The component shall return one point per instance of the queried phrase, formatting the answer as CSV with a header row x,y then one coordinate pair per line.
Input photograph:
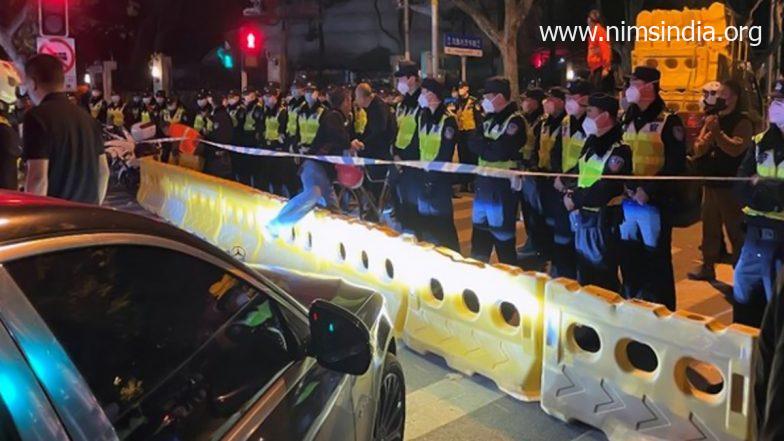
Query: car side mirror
x,y
338,339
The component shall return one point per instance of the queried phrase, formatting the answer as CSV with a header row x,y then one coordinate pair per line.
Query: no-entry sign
x,y
65,49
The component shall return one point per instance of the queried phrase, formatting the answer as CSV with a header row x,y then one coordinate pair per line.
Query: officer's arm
x,y
748,168
674,139
604,190
555,153
507,146
283,122
448,141
736,143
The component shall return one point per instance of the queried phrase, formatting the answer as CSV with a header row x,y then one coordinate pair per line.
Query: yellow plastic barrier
x,y
480,318
638,371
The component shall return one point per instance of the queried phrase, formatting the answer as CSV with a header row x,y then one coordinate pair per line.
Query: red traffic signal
x,y
251,40
53,18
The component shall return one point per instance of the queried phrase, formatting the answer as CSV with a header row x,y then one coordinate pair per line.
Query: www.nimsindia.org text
x,y
695,32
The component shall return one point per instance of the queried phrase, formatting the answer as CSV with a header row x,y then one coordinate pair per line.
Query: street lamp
x,y
88,79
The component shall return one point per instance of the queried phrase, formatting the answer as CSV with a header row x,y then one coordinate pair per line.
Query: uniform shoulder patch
x,y
616,163
678,133
449,133
512,128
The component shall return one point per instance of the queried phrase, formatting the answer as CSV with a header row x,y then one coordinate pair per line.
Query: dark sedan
x,y
115,326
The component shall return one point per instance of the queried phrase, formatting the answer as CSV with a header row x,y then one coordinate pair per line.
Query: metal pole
x,y
406,30
243,74
434,42
463,68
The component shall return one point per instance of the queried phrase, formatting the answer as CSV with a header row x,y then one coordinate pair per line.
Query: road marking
x,y
443,402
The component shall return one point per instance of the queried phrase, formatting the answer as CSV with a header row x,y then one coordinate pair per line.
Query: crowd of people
x,y
600,208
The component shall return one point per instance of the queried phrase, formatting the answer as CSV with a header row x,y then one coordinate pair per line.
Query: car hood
x,y
307,287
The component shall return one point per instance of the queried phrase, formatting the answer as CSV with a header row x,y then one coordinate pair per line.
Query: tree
x,y
505,37
9,30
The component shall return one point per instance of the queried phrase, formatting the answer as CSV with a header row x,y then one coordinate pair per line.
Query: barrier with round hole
x,y
636,370
484,319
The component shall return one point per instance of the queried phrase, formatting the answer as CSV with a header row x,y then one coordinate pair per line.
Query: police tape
x,y
444,167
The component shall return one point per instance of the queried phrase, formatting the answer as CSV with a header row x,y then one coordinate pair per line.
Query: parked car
x,y
116,326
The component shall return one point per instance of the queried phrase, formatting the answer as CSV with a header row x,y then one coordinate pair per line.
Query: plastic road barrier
x,y
480,318
638,371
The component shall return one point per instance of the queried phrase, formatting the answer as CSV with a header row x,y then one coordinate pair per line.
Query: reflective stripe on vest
x,y
291,124
530,139
360,121
116,116
233,116
406,126
546,143
145,117
4,121
95,109
272,127
647,147
766,168
174,119
494,132
465,116
592,169
571,145
430,140
249,125
308,126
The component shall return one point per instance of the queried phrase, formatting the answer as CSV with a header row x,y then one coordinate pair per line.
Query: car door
x,y
162,341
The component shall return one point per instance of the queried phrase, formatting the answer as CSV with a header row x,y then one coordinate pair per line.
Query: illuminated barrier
x,y
637,371
480,318
686,65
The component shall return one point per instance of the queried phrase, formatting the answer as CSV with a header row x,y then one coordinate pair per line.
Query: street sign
x,y
64,49
462,45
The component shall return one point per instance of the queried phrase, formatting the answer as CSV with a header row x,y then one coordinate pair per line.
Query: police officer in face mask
x,y
133,111
718,151
406,114
115,111
534,116
283,171
763,249
293,106
202,119
595,203
564,158
435,138
97,105
657,140
497,142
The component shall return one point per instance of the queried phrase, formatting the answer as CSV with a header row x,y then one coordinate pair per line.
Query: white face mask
x,y
423,101
310,99
270,101
172,107
528,107
159,100
402,87
776,113
249,100
590,127
632,95
96,94
233,101
146,100
572,107
488,106
201,103
115,99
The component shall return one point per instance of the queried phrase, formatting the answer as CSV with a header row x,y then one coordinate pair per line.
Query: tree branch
x,y
7,35
482,21
17,22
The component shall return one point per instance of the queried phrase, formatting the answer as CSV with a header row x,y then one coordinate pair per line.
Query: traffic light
x,y
226,58
251,40
53,18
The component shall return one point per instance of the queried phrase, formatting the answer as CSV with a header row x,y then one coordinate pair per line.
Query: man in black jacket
x,y
376,138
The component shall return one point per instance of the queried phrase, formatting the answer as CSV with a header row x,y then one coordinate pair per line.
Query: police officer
x,y
548,142
657,142
309,118
216,160
564,157
97,105
534,116
436,137
115,112
295,102
133,111
10,148
466,109
282,171
174,112
763,249
251,132
202,119
595,204
497,143
150,111
406,114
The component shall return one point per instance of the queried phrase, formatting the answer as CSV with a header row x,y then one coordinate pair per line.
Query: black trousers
x,y
435,214
720,208
533,199
596,238
483,241
769,368
563,258
465,156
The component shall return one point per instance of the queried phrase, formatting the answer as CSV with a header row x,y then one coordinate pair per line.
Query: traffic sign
x,y
64,49
462,45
